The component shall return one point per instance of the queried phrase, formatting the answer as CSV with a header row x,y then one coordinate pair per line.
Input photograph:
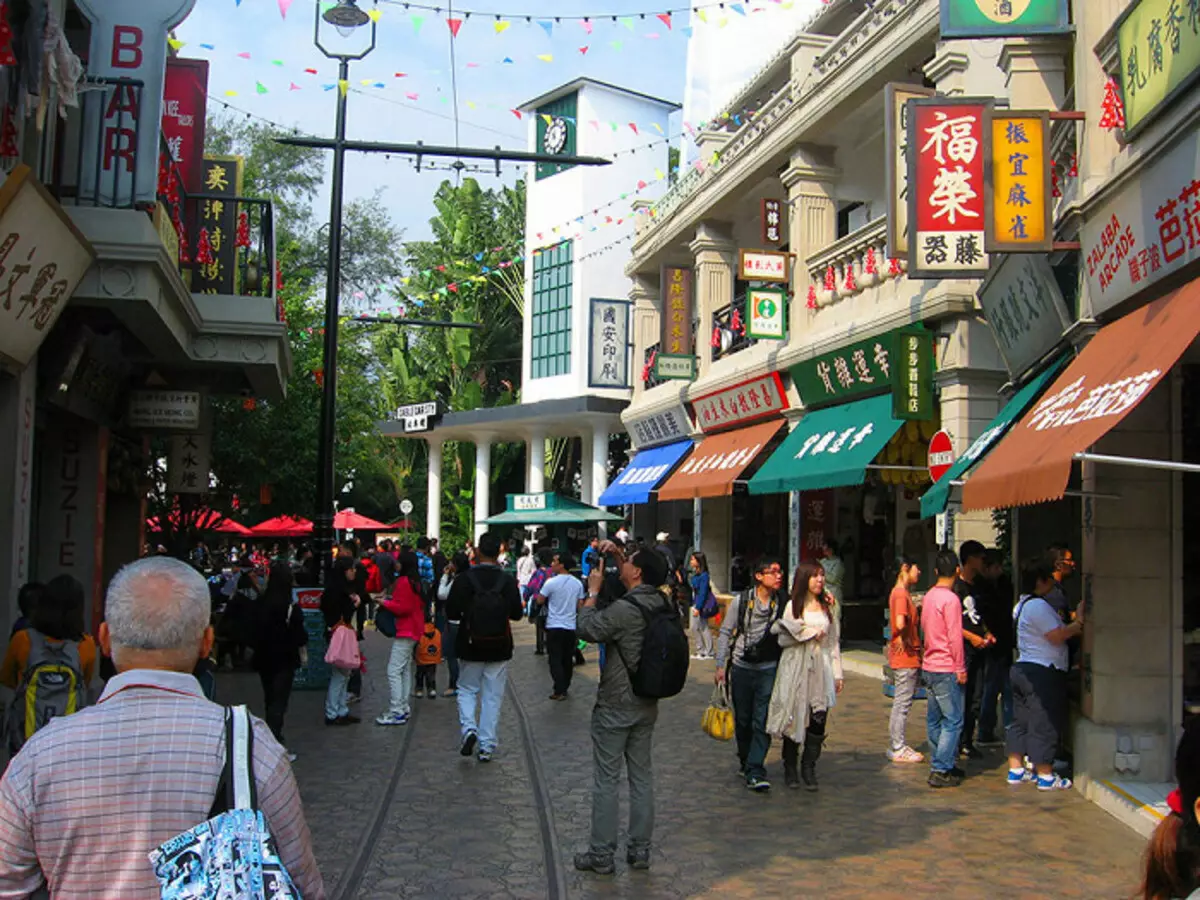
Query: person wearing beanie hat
x,y
1173,854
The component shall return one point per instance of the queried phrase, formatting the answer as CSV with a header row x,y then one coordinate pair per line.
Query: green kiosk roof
x,y
548,509
829,448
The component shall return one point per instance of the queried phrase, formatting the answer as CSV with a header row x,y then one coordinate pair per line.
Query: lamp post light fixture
x,y
346,17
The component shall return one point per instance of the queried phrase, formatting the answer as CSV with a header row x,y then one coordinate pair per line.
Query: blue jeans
x,y
481,684
944,718
335,698
750,690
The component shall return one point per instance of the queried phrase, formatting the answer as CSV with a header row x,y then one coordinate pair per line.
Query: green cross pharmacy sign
x,y
1003,18
766,314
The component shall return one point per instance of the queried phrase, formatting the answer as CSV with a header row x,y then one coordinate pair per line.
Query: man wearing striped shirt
x,y
91,794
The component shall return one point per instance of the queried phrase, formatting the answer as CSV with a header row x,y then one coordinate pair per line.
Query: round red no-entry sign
x,y
941,455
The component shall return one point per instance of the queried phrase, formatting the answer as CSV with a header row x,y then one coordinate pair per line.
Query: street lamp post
x,y
346,17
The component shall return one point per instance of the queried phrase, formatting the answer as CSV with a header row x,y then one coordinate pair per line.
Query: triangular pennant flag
x,y
470,104
378,84
209,46
595,124
343,86
283,7
277,62
547,26
293,86
653,36
665,18
627,21
454,24
617,45
546,57
175,43
547,119
587,26
614,127
412,96
502,27
723,21
311,71
738,8
260,87
658,173
687,31
417,22
641,185
472,65
633,126
507,60
583,50
375,15
243,55
365,82
328,87
516,112
702,15
400,75
231,93
656,127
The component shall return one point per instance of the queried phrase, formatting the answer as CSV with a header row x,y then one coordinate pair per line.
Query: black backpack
x,y
487,617
663,668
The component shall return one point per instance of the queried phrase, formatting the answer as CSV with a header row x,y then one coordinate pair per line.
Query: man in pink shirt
x,y
945,669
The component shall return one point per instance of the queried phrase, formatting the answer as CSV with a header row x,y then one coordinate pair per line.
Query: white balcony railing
x,y
851,265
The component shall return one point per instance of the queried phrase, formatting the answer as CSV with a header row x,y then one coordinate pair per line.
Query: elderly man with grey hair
x,y
90,795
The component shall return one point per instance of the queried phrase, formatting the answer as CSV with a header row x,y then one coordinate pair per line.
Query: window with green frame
x,y
551,353
560,115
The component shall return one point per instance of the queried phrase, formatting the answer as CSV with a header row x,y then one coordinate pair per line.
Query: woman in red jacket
x,y
408,608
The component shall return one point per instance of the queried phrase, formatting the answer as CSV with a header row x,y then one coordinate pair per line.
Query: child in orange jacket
x,y
429,654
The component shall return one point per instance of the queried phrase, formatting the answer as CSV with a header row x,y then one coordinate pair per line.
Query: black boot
x,y
791,750
808,759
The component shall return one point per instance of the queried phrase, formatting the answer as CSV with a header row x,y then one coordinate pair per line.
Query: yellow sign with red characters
x,y
1018,207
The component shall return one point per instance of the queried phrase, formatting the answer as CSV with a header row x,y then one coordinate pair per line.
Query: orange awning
x,y
1119,367
718,461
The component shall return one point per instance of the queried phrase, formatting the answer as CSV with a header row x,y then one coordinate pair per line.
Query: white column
x,y
586,458
433,481
535,479
483,484
599,456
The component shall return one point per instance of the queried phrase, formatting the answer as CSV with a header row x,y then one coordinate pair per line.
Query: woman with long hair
x,y
278,636
904,658
1173,854
809,676
339,601
701,584
408,607
457,566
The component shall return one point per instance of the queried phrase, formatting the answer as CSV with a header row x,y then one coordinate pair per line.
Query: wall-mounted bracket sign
x,y
764,265
1019,211
766,314
675,366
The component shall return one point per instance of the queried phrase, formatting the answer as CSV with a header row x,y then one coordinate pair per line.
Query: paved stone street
x,y
450,828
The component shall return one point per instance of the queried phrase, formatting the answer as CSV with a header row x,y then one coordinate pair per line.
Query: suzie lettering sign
x,y
946,187
741,404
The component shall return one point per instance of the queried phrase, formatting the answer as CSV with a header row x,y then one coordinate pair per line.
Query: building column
x,y
433,481
1036,71
483,484
715,261
646,331
812,221
535,476
585,468
716,539
599,458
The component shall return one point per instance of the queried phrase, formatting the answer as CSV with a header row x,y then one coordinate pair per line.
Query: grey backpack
x,y
51,685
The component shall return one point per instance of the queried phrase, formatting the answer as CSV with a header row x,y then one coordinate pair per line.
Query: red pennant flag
x,y
401,75
454,24
311,71
244,55
633,125
583,50
516,112
292,86
665,18
641,184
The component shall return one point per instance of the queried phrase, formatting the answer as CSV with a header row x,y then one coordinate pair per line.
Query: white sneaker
x,y
1053,783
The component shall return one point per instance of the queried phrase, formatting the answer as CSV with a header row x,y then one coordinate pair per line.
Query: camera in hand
x,y
766,649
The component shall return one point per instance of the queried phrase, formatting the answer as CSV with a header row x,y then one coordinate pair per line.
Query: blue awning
x,y
644,473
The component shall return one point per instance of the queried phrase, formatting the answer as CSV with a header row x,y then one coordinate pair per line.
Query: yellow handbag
x,y
718,717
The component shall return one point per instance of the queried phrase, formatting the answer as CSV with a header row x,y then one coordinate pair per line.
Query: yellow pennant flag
x,y
175,43
343,86
470,104
502,27
723,21
658,174
656,127
231,93
703,15
546,57
375,14
366,81
547,119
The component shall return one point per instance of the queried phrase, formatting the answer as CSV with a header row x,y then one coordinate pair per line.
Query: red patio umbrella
x,y
402,525
348,519
229,526
201,519
283,527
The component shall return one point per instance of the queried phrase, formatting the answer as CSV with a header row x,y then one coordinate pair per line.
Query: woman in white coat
x,y
809,677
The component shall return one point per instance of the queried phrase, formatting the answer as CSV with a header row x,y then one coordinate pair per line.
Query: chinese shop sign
x,y
675,367
164,410
895,138
1019,213
608,357
766,314
120,134
1147,231
759,398
218,225
912,385
859,368
677,312
1159,43
1003,18
42,258
185,104
664,427
772,220
816,522
1024,308
762,265
946,188
188,464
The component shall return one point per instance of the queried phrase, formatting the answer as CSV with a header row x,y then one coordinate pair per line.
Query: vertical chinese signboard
x,y
895,139
185,105
1017,172
677,336
946,187
912,383
1159,43
188,464
608,351
1003,18
772,221
218,225
816,522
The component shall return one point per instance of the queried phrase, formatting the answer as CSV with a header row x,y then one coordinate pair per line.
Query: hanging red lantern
x,y
648,368
735,322
850,284
812,297
163,170
1073,172
894,270
1055,189
319,375
1112,109
204,254
830,279
716,337
243,230
870,264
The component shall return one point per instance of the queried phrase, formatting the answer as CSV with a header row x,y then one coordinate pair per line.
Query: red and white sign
x,y
129,40
946,187
750,401
185,105
941,455
763,265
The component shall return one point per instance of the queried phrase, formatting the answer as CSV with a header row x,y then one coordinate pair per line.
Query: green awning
x,y
829,448
555,510
935,500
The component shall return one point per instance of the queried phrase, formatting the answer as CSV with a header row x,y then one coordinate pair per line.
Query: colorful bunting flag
x,y
502,26
283,7
417,22
665,18
587,26
583,50
454,24
546,57
260,87
547,26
